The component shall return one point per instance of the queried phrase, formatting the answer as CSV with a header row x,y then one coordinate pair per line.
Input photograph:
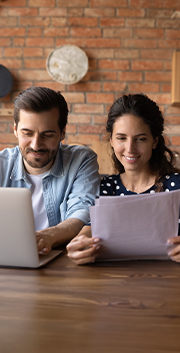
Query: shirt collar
x,y
19,172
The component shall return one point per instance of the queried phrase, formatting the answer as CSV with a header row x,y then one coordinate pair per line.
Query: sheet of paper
x,y
136,226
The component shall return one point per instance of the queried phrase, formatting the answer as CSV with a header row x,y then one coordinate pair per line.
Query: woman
x,y
144,164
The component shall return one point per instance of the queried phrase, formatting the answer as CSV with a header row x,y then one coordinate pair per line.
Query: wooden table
x,y
125,307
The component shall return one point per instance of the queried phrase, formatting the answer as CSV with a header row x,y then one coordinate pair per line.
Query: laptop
x,y
18,246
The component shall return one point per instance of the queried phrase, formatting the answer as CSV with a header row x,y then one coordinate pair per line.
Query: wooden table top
x,y
123,307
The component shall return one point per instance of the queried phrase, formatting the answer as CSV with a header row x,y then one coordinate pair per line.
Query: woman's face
x,y
132,143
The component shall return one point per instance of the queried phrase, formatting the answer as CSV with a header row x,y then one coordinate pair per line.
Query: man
x,y
63,179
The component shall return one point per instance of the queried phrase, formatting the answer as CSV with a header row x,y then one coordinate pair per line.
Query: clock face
x,y
67,64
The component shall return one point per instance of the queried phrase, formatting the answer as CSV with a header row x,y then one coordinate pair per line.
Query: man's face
x,y
39,137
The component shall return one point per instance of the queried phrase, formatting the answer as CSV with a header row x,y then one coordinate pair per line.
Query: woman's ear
x,y
155,143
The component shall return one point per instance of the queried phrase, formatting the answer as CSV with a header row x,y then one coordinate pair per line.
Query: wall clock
x,y
67,64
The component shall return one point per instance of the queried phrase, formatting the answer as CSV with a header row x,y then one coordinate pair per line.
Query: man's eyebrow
x,y
45,131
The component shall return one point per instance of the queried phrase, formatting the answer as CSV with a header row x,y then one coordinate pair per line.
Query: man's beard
x,y
39,162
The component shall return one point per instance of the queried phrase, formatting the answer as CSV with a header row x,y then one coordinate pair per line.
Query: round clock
x,y
67,64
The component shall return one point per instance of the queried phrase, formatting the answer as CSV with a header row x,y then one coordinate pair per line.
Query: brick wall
x,y
129,44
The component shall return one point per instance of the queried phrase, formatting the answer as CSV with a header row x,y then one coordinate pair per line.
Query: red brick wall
x,y
129,44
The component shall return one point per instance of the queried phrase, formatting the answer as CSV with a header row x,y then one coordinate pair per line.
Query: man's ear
x,y
15,130
63,134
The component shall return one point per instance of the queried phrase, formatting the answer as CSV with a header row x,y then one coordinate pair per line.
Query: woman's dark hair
x,y
40,99
140,105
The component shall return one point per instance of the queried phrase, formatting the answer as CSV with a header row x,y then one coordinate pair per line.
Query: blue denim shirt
x,y
70,186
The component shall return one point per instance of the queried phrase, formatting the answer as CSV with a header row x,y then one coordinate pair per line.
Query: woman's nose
x,y
131,146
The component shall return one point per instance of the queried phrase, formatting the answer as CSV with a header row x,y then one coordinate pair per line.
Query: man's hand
x,y
57,235
174,248
45,241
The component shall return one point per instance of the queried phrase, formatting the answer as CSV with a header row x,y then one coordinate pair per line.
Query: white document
x,y
135,226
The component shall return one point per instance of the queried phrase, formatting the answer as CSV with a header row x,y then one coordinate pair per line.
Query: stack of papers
x,y
135,226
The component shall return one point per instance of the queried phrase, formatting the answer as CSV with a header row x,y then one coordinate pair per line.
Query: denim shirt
x,y
70,186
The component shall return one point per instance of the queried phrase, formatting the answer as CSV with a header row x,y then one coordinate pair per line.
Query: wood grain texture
x,y
128,307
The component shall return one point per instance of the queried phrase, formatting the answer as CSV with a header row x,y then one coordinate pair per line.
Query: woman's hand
x,y
83,248
174,248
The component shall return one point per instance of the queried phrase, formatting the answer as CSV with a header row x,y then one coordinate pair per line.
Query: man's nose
x,y
35,142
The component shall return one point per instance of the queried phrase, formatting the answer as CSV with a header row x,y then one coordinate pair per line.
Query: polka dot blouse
x,y
112,185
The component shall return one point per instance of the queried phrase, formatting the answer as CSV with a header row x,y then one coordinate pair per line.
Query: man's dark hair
x,y
41,99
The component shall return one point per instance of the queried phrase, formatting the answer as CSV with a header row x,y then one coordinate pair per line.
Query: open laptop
x,y
18,246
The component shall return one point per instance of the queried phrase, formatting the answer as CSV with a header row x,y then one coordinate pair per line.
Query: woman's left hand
x,y
174,248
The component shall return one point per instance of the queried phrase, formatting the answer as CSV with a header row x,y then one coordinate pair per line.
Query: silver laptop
x,y
18,246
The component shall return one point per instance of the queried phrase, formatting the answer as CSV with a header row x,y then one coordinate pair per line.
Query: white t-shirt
x,y
40,214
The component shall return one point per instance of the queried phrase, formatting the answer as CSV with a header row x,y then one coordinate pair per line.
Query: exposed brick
x,y
147,65
34,63
112,22
126,53
32,75
100,53
114,86
130,76
11,3
173,119
53,12
158,76
56,32
24,11
143,87
11,63
42,3
74,97
86,87
84,139
168,23
4,137
82,22
156,54
117,32
140,43
5,42
100,97
172,34
15,52
71,129
74,3
149,33
34,21
39,42
140,22
155,4
34,52
175,140
88,108
127,12
59,21
108,3
34,32
9,32
99,12
7,22
91,129
85,32
114,64
79,119
18,42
